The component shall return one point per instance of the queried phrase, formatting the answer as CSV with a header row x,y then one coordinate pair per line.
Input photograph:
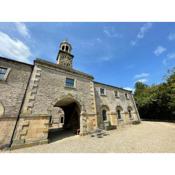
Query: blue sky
x,y
114,53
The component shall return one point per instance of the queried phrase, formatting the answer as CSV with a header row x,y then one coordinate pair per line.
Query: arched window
x,y
62,47
62,119
118,110
119,114
104,115
129,112
67,48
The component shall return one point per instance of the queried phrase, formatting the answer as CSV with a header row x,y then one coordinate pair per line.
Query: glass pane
x,y
102,91
1,76
69,82
3,70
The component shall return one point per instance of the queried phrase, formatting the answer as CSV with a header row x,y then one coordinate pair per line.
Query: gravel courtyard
x,y
147,137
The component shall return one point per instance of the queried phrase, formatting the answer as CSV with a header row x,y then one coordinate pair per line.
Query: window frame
x,y
127,96
119,114
130,113
74,83
6,73
116,93
104,91
106,118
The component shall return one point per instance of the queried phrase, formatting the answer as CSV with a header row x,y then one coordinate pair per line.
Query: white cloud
x,y
142,75
111,32
13,48
105,58
129,89
141,33
159,50
143,80
98,40
133,43
22,29
171,36
169,58
144,29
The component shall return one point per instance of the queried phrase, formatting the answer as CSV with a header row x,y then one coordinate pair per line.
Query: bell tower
x,y
65,58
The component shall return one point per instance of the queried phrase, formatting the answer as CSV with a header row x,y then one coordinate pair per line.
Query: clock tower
x,y
65,58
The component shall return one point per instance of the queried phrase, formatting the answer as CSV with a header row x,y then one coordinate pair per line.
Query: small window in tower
x,y
67,48
70,82
62,47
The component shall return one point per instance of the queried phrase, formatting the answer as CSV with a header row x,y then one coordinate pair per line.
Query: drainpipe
x,y
138,116
18,117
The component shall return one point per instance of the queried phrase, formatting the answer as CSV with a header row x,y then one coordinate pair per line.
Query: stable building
x,y
36,98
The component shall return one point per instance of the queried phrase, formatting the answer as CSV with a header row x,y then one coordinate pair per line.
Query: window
x,y
67,48
62,119
2,73
102,91
127,96
130,112
118,111
70,82
119,114
130,115
104,115
116,94
62,47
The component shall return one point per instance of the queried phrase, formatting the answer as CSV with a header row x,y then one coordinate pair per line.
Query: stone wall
x,y
47,87
12,92
110,102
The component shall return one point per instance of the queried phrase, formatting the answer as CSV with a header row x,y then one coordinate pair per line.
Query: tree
x,y
157,101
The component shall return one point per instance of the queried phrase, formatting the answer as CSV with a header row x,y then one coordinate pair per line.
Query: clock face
x,y
66,60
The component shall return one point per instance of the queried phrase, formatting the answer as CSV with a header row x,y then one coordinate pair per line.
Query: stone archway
x,y
72,116
72,110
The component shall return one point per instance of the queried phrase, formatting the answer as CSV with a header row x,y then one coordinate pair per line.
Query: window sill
x,y
117,97
3,81
69,87
103,95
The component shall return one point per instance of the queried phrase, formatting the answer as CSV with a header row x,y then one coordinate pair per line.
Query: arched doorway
x,y
71,120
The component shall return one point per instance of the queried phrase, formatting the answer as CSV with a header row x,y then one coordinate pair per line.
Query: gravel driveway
x,y
152,137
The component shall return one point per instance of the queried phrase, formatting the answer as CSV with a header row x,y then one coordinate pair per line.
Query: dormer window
x,y
102,91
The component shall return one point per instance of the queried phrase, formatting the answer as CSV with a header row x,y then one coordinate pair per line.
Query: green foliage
x,y
157,101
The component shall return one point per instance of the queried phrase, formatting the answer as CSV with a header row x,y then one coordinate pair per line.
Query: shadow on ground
x,y
59,134
157,120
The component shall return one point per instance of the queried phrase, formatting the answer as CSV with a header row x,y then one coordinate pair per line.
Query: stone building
x,y
35,98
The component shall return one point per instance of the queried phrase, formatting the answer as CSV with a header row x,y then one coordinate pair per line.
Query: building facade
x,y
35,98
